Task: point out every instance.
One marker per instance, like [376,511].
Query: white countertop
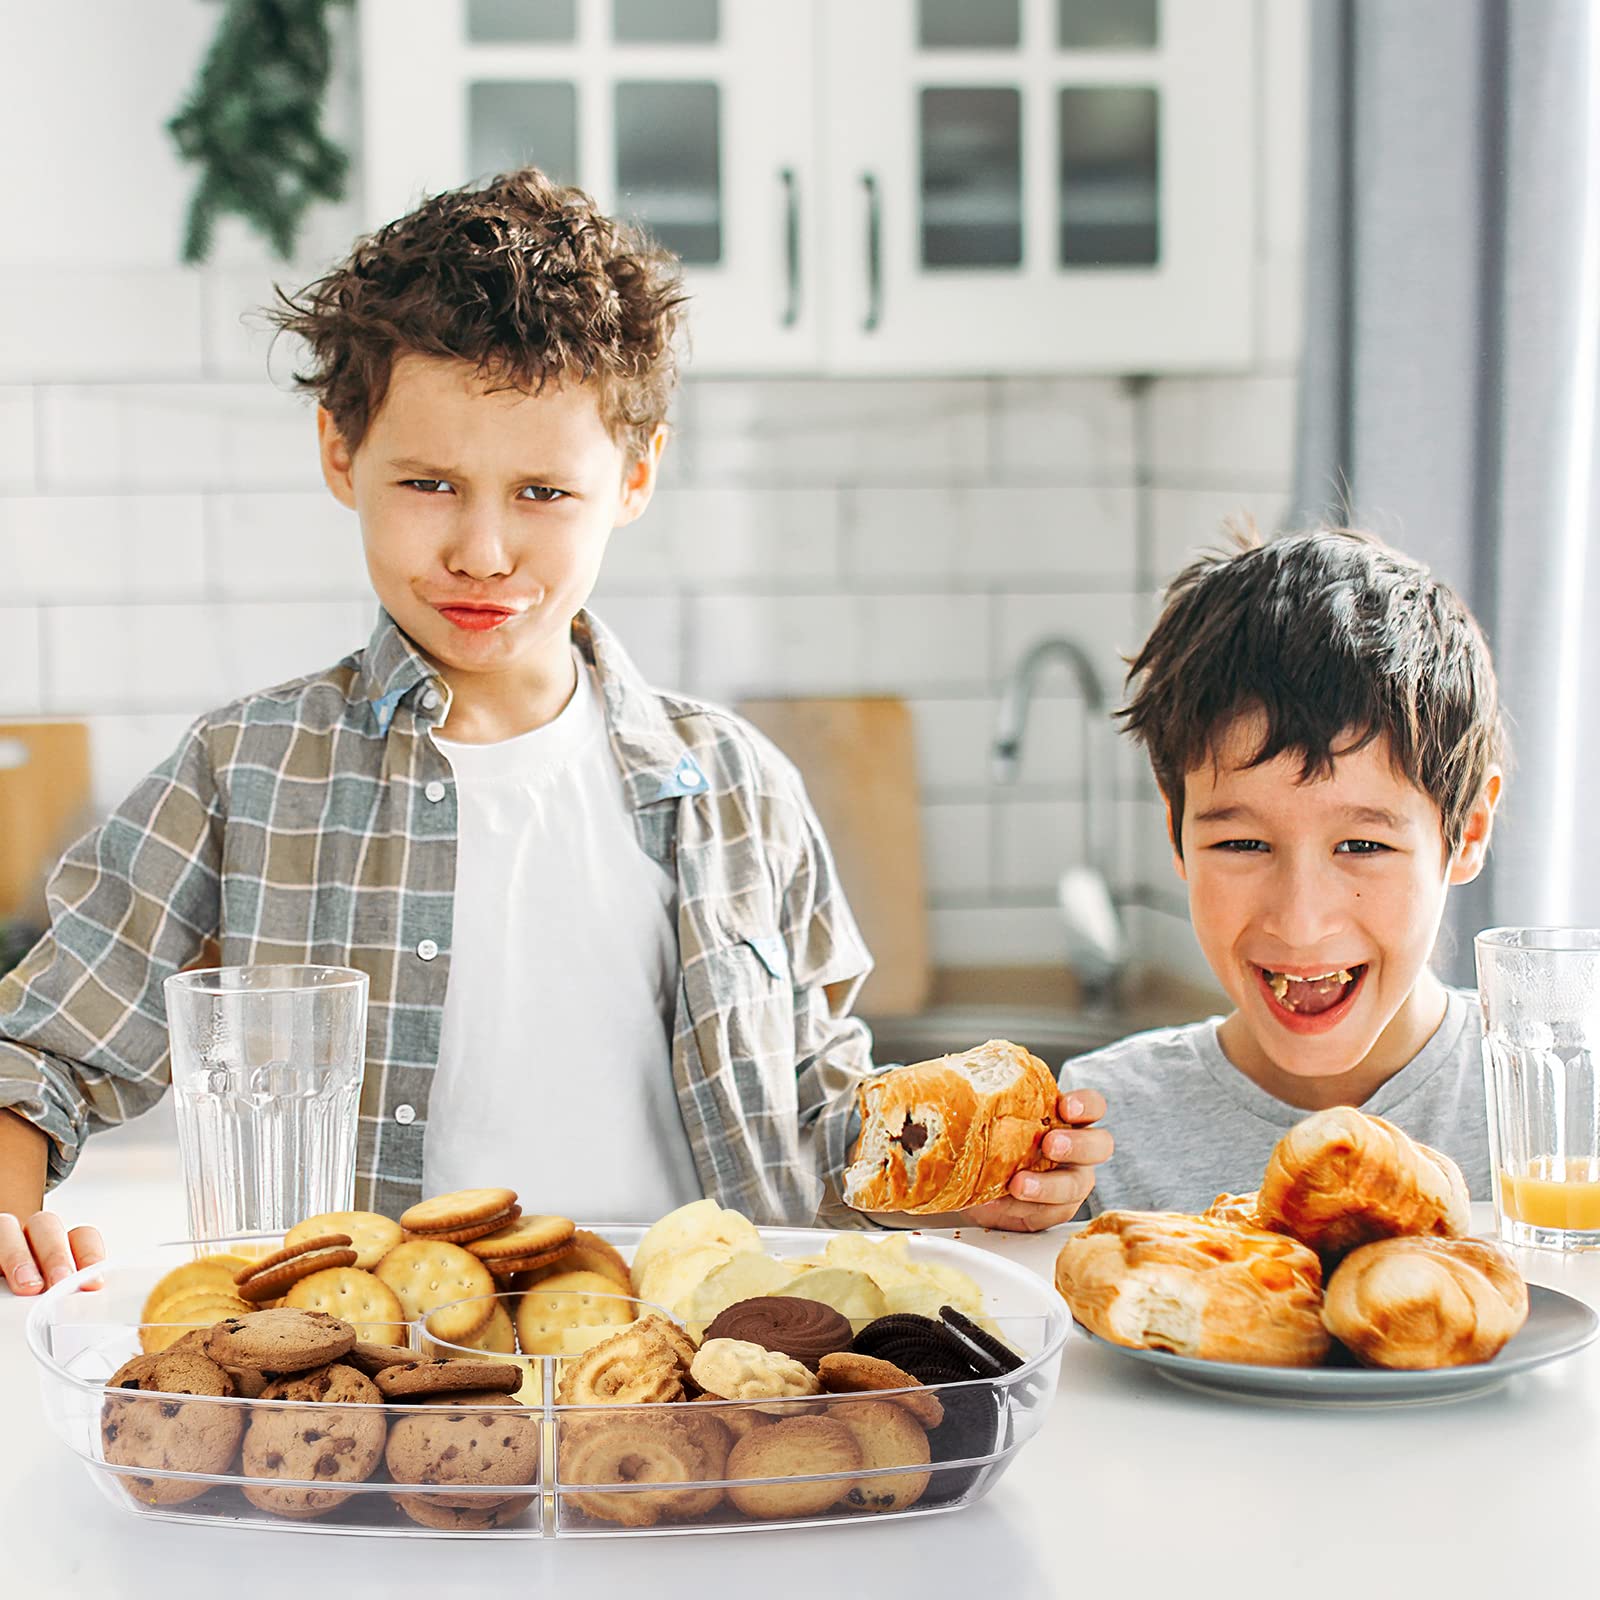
[1133,1487]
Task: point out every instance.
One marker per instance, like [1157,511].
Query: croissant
[1425,1302]
[1234,1208]
[1341,1179]
[946,1134]
[1163,1280]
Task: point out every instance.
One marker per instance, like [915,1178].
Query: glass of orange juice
[1540,992]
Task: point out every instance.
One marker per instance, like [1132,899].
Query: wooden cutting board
[858,758]
[44,805]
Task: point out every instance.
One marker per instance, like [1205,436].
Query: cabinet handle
[791,245]
[869,323]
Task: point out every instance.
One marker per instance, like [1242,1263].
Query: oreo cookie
[974,1414]
[1001,1354]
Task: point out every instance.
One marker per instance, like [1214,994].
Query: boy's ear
[336,459]
[640,483]
[1467,862]
[1172,839]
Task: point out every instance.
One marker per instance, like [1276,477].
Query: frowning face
[1317,903]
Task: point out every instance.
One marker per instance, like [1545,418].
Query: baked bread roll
[1164,1280]
[1341,1179]
[1423,1302]
[1239,1208]
[946,1134]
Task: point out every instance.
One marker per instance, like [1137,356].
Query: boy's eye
[1360,847]
[543,493]
[1240,846]
[425,485]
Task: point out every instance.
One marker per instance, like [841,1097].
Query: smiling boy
[610,962]
[1323,721]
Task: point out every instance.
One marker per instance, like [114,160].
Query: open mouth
[1308,995]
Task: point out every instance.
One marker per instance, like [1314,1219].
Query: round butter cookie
[372,1236]
[633,1367]
[568,1300]
[797,1447]
[848,1373]
[463,1208]
[888,1436]
[523,1236]
[362,1299]
[429,1277]
[639,1448]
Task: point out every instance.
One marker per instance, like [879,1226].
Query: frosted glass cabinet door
[693,118]
[1038,185]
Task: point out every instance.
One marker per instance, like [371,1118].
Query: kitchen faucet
[1097,949]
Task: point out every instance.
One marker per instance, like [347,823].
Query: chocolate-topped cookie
[807,1330]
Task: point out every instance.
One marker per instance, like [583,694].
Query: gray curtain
[1449,386]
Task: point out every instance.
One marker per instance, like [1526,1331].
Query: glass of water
[1540,992]
[266,1069]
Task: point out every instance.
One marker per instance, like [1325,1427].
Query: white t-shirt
[555,1060]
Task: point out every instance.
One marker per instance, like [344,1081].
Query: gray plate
[1557,1325]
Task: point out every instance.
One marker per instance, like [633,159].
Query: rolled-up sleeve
[83,1035]
[833,1049]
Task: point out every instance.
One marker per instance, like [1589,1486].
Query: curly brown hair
[525,278]
[1333,640]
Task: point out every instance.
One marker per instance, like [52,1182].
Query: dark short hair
[526,279]
[1333,640]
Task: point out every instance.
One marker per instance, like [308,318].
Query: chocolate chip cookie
[141,1425]
[328,1444]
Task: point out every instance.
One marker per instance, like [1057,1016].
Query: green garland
[251,123]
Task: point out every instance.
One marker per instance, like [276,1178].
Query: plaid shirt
[316,823]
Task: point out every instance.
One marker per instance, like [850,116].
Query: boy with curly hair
[1324,724]
[609,960]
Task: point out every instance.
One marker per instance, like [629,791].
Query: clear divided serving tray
[80,1336]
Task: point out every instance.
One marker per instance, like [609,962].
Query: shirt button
[688,777]
[427,949]
[435,791]
[430,701]
[405,1115]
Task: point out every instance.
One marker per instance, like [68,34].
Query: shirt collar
[650,754]
[652,759]
[392,667]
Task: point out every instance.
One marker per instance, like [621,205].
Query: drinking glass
[266,1070]
[1540,992]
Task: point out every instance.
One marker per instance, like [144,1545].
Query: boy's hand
[40,1252]
[1042,1199]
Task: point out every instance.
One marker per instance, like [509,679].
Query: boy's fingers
[87,1247]
[1065,1186]
[1081,1105]
[49,1240]
[16,1257]
[1082,1147]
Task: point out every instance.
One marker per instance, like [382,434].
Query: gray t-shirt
[1189,1125]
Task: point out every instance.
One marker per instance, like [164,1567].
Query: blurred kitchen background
[1001,307]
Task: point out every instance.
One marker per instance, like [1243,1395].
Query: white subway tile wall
[166,542]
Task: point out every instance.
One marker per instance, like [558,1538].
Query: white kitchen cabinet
[1038,185]
[691,116]
[867,186]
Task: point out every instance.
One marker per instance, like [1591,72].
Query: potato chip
[700,1223]
[883,1260]
[670,1279]
[746,1275]
[851,1294]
